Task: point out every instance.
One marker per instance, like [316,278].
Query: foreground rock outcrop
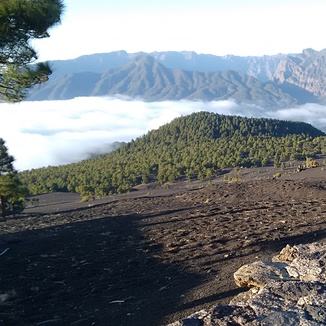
[290,290]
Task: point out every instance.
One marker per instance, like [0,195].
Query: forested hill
[205,125]
[196,146]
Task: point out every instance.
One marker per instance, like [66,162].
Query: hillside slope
[197,146]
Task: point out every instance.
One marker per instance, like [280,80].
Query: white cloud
[311,113]
[60,132]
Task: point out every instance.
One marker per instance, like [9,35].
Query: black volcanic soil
[153,256]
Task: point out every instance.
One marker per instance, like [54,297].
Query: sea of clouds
[47,133]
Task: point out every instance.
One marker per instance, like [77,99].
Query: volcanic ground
[152,256]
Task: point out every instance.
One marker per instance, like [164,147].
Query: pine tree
[20,22]
[11,189]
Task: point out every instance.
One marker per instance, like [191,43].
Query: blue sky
[241,27]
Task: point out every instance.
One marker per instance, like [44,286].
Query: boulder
[290,290]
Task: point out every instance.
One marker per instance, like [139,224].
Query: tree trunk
[3,206]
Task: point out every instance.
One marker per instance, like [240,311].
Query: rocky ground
[153,256]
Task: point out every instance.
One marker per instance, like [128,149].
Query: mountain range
[281,80]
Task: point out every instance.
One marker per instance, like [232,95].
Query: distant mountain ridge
[270,81]
[261,68]
[147,79]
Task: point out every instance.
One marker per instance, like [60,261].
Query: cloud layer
[61,132]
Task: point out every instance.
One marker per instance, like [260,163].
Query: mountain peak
[144,60]
[309,51]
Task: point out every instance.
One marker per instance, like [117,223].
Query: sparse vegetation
[234,176]
[311,163]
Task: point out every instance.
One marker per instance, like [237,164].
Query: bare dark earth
[151,257]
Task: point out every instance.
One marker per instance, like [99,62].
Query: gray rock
[291,290]
[281,318]
[224,315]
[260,273]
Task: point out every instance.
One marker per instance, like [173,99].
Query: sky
[220,27]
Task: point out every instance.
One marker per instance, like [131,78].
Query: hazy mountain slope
[149,80]
[98,63]
[66,86]
[306,70]
[260,67]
